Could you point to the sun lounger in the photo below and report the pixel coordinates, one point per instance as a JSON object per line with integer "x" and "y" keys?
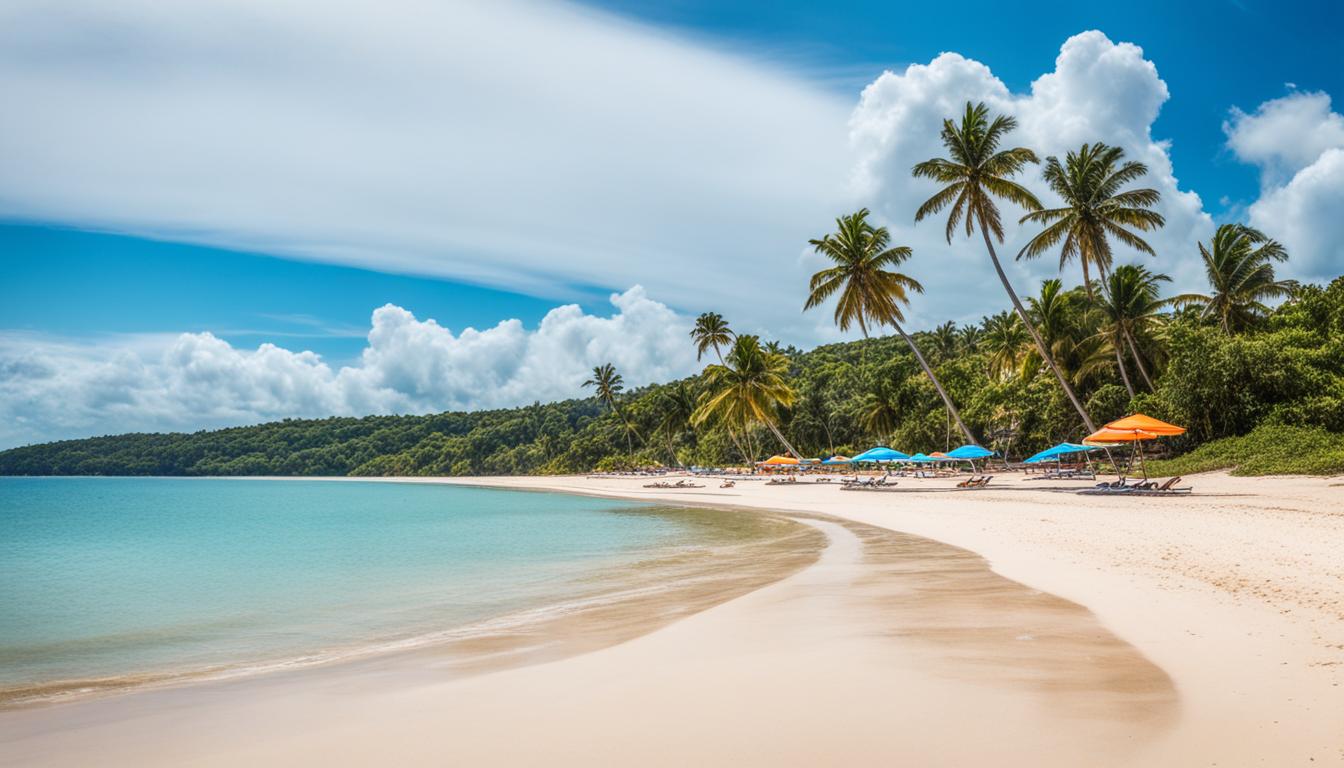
{"x": 1138, "y": 488}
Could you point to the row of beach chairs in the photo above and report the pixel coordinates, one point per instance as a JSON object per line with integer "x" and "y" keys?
{"x": 1138, "y": 488}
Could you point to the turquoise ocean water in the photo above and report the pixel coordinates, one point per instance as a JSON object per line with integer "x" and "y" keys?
{"x": 119, "y": 577}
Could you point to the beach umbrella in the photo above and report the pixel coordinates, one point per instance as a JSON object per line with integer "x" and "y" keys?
{"x": 879, "y": 453}
{"x": 922, "y": 458}
{"x": 779, "y": 461}
{"x": 968, "y": 452}
{"x": 837, "y": 460}
{"x": 1055, "y": 452}
{"x": 1133, "y": 430}
{"x": 1146, "y": 424}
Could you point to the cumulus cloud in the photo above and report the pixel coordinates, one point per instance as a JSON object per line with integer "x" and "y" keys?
{"x": 1099, "y": 91}
{"x": 536, "y": 146}
{"x": 1297, "y": 142}
{"x": 1283, "y": 136}
{"x": 52, "y": 389}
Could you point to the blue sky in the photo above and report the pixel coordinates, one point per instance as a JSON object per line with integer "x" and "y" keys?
{"x": 240, "y": 210}
{"x": 1213, "y": 54}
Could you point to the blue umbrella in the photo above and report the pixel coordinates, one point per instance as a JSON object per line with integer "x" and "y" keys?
{"x": 1054, "y": 452}
{"x": 837, "y": 460}
{"x": 921, "y": 458}
{"x": 880, "y": 454}
{"x": 967, "y": 452}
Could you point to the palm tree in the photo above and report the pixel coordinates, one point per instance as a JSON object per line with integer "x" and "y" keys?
{"x": 969, "y": 338}
{"x": 1006, "y": 341}
{"x": 977, "y": 172}
{"x": 711, "y": 331}
{"x": 1241, "y": 275}
{"x": 1131, "y": 307}
{"x": 879, "y": 413}
{"x": 944, "y": 339}
{"x": 870, "y": 291}
{"x": 749, "y": 387}
{"x": 678, "y": 406}
{"x": 1095, "y": 209}
{"x": 608, "y": 384}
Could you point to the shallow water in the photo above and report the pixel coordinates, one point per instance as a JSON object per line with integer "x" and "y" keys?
{"x": 107, "y": 582}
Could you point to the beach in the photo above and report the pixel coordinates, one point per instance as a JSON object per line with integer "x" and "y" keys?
{"x": 1014, "y": 625}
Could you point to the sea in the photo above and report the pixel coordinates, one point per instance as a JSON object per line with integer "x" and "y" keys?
{"x": 108, "y": 583}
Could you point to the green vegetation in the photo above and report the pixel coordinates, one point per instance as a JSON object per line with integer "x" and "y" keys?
{"x": 1268, "y": 450}
{"x": 1259, "y": 388}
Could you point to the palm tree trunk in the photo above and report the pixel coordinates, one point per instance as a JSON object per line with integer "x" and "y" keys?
{"x": 947, "y": 401}
{"x": 1035, "y": 335}
{"x": 1120, "y": 363}
{"x": 1138, "y": 360}
{"x": 1124, "y": 331}
{"x": 780, "y": 435}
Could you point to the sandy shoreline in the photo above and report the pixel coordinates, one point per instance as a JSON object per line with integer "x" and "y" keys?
{"x": 1213, "y": 634}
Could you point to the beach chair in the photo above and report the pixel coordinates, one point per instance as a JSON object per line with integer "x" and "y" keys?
{"x": 969, "y": 482}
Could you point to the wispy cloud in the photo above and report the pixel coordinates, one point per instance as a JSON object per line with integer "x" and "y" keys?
{"x": 528, "y": 145}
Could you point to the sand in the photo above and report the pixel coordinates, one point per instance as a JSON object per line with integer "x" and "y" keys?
{"x": 1014, "y": 625}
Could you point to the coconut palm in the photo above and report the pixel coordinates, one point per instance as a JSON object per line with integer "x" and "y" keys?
{"x": 677, "y": 404}
{"x": 608, "y": 384}
{"x": 1130, "y": 308}
{"x": 711, "y": 331}
{"x": 1095, "y": 209}
{"x": 944, "y": 340}
{"x": 749, "y": 387}
{"x": 1239, "y": 266}
{"x": 879, "y": 413}
{"x": 871, "y": 292}
{"x": 1006, "y": 342}
{"x": 976, "y": 173}
{"x": 968, "y": 338}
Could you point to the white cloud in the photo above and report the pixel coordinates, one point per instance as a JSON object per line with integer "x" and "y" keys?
{"x": 536, "y": 146}
{"x": 1298, "y": 144}
{"x": 1098, "y": 91}
{"x": 51, "y": 389}
{"x": 1285, "y": 135}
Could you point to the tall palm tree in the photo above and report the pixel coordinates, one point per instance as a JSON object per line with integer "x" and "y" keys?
{"x": 1241, "y": 275}
{"x": 1006, "y": 341}
{"x": 608, "y": 384}
{"x": 749, "y": 387}
{"x": 678, "y": 406}
{"x": 976, "y": 173}
{"x": 870, "y": 290}
{"x": 1131, "y": 307}
{"x": 1095, "y": 209}
{"x": 711, "y": 332}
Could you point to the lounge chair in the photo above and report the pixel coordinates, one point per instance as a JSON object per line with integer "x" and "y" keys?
{"x": 969, "y": 482}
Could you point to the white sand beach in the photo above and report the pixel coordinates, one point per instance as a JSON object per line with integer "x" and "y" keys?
{"x": 1019, "y": 625}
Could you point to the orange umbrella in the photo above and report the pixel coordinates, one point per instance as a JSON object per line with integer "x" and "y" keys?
{"x": 1108, "y": 436}
{"x": 1146, "y": 424}
{"x": 1133, "y": 429}
{"x": 780, "y": 461}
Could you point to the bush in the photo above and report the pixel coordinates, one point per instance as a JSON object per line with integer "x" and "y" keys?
{"x": 1269, "y": 450}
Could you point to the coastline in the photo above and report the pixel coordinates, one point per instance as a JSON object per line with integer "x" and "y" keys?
{"x": 1235, "y": 593}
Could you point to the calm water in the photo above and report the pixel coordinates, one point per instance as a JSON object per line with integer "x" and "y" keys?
{"x": 118, "y": 577}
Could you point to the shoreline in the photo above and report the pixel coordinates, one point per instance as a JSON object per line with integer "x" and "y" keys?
{"x": 665, "y": 583}
{"x": 1256, "y": 669}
